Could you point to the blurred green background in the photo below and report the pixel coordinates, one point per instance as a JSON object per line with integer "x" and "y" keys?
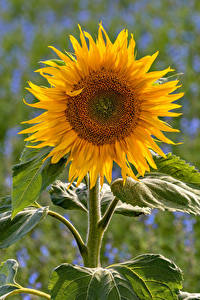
{"x": 27, "y": 28}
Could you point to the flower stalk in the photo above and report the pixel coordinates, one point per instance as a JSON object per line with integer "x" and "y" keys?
{"x": 105, "y": 220}
{"x": 23, "y": 290}
{"x": 74, "y": 231}
{"x": 95, "y": 234}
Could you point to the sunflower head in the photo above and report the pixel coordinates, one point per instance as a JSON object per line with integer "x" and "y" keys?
{"x": 102, "y": 106}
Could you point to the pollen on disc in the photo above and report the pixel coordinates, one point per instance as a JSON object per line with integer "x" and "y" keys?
{"x": 105, "y": 111}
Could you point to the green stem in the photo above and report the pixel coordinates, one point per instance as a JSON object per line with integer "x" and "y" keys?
{"x": 29, "y": 291}
{"x": 74, "y": 231}
{"x": 105, "y": 220}
{"x": 95, "y": 234}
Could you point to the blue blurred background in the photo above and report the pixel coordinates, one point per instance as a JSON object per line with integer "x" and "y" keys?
{"x": 26, "y": 30}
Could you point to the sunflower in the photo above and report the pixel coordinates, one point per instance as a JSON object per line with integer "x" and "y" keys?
{"x": 102, "y": 106}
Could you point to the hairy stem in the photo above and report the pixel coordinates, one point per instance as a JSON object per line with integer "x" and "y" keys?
{"x": 105, "y": 220}
{"x": 74, "y": 231}
{"x": 94, "y": 236}
{"x": 30, "y": 291}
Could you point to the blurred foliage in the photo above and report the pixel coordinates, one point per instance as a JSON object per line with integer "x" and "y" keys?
{"x": 26, "y": 30}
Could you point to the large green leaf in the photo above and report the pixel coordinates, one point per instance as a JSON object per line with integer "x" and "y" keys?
{"x": 32, "y": 176}
{"x": 8, "y": 270}
{"x": 178, "y": 168}
{"x": 11, "y": 230}
{"x": 75, "y": 198}
{"x": 146, "y": 277}
{"x": 188, "y": 296}
{"x": 160, "y": 191}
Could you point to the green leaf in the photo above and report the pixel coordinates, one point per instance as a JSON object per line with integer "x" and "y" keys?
{"x": 188, "y": 296}
{"x": 75, "y": 198}
{"x": 32, "y": 176}
{"x": 8, "y": 270}
{"x": 71, "y": 198}
{"x": 11, "y": 230}
{"x": 178, "y": 168}
{"x": 121, "y": 208}
{"x": 146, "y": 277}
{"x": 29, "y": 154}
{"x": 5, "y": 204}
{"x": 51, "y": 171}
{"x": 27, "y": 182}
{"x": 158, "y": 191}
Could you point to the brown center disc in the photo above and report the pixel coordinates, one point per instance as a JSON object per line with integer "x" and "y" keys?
{"x": 105, "y": 111}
